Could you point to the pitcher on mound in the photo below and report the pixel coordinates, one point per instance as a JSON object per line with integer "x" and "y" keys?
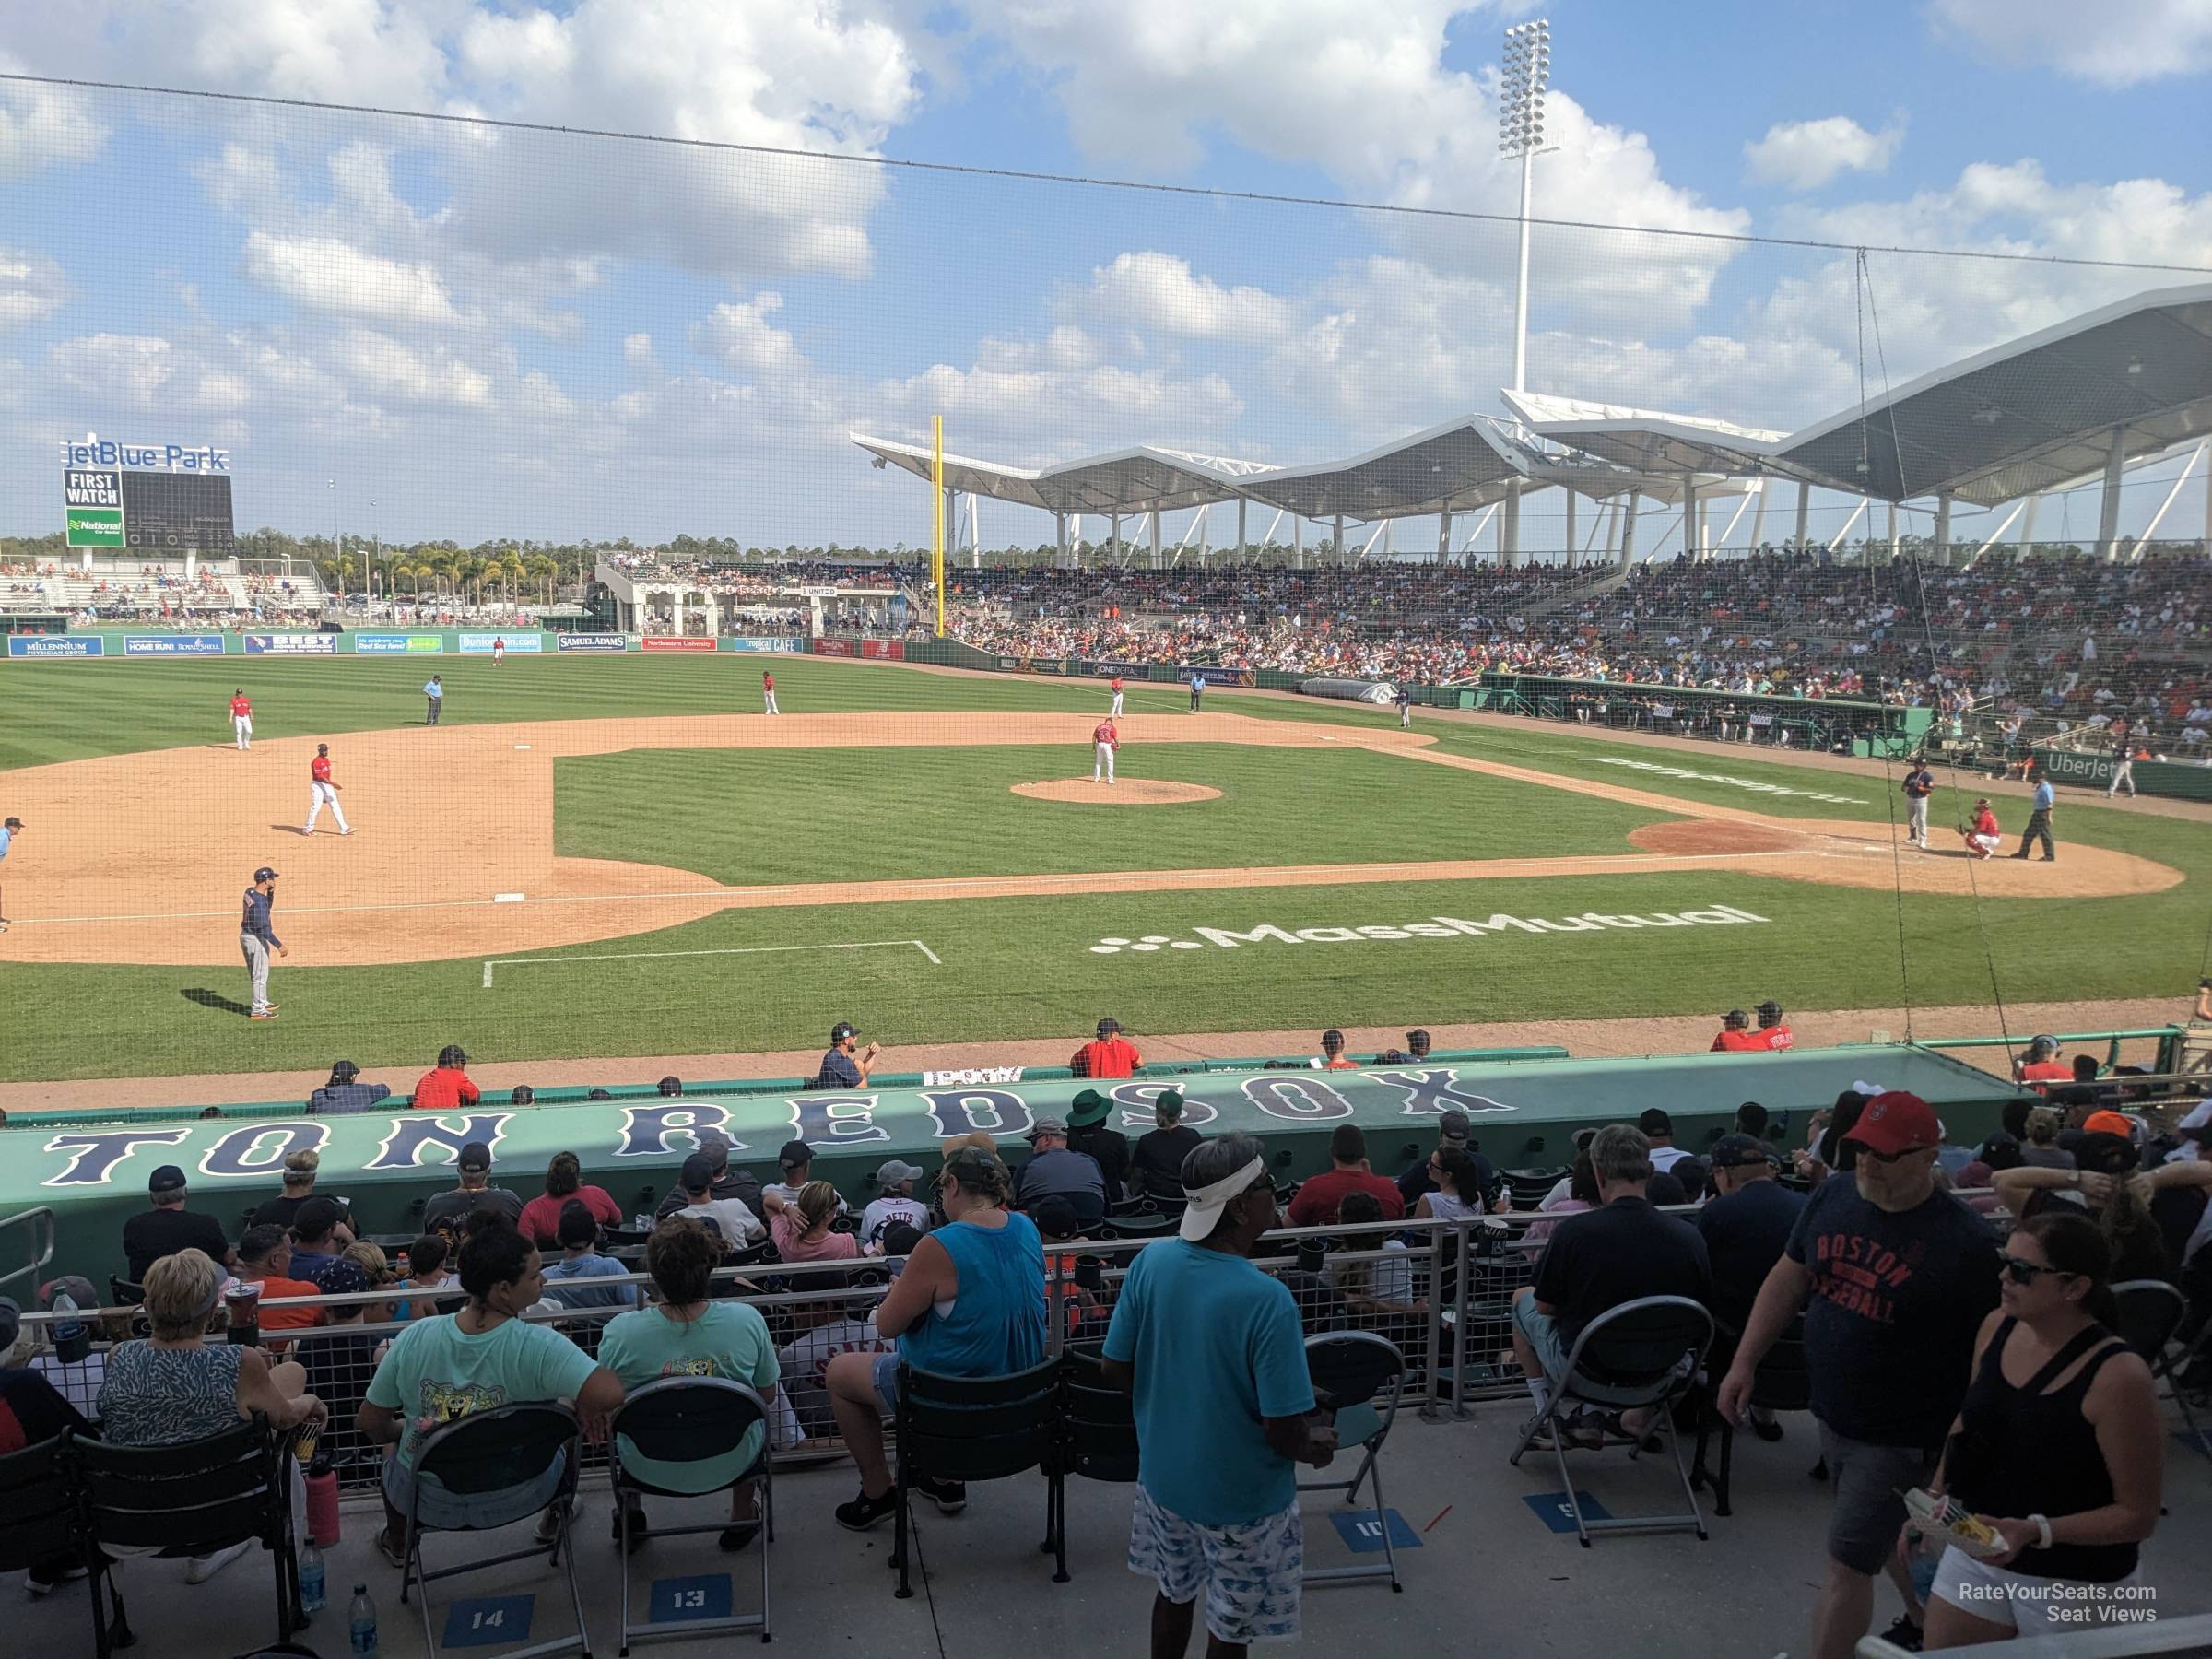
{"x": 1106, "y": 739}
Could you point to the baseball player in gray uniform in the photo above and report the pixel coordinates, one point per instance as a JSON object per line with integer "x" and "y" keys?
{"x": 256, "y": 938}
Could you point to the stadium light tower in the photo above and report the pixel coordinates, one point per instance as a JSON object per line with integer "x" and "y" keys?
{"x": 1525, "y": 78}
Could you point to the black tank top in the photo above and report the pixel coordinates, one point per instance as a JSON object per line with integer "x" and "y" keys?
{"x": 2028, "y": 1453}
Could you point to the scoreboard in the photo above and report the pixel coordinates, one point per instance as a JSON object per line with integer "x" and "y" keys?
{"x": 154, "y": 512}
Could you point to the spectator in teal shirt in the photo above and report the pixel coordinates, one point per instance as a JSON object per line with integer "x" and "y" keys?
{"x": 1212, "y": 1350}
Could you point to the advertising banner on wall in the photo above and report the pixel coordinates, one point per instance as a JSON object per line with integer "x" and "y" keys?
{"x": 840, "y": 648}
{"x": 888, "y": 651}
{"x": 92, "y": 505}
{"x": 54, "y": 645}
{"x": 398, "y": 644}
{"x": 292, "y": 645}
{"x": 592, "y": 641}
{"x": 480, "y": 644}
{"x": 780, "y": 643}
{"x": 676, "y": 643}
{"x": 172, "y": 645}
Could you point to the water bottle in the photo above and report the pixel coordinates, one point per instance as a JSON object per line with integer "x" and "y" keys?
{"x": 312, "y": 1597}
{"x": 1921, "y": 1563}
{"x": 360, "y": 1625}
{"x": 71, "y": 1343}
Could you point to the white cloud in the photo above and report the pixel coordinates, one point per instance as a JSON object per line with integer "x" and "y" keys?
{"x": 1160, "y": 291}
{"x": 128, "y": 370}
{"x": 1805, "y": 154}
{"x": 43, "y": 126}
{"x": 328, "y": 275}
{"x": 2112, "y": 46}
{"x": 637, "y": 349}
{"x": 31, "y": 287}
{"x": 741, "y": 335}
{"x": 383, "y": 365}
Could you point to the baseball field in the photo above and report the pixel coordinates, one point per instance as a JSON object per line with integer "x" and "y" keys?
{"x": 610, "y": 856}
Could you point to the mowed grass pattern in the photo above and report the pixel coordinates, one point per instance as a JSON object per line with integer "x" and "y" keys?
{"x": 749, "y": 818}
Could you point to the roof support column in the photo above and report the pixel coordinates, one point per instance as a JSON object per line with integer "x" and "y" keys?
{"x": 1509, "y": 526}
{"x": 1243, "y": 547}
{"x": 1340, "y": 558}
{"x": 1943, "y": 526}
{"x": 1758, "y": 518}
{"x": 1156, "y": 538}
{"x": 1574, "y": 553}
{"x": 1060, "y": 537}
{"x": 1892, "y": 529}
{"x": 1443, "y": 537}
{"x": 1113, "y": 540}
{"x": 1805, "y": 509}
{"x": 2028, "y": 525}
{"x": 1297, "y": 541}
{"x": 1628, "y": 529}
{"x": 2107, "y": 511}
{"x": 1691, "y": 522}
{"x": 1206, "y": 514}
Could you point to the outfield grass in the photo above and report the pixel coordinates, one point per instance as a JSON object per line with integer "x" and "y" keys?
{"x": 1025, "y": 966}
{"x": 759, "y": 815}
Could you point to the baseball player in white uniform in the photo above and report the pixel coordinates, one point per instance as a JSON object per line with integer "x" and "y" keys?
{"x": 1106, "y": 740}
{"x": 322, "y": 792}
{"x": 2124, "y": 775}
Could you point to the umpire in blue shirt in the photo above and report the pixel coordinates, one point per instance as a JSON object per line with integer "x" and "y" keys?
{"x": 256, "y": 938}
{"x": 2039, "y": 821}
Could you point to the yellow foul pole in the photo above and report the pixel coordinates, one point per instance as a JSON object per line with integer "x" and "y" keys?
{"x": 936, "y": 538}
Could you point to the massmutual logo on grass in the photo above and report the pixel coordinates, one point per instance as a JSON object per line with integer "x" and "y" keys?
{"x": 1435, "y": 928}
{"x": 1751, "y": 784}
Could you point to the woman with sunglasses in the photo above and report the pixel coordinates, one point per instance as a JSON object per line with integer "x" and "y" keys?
{"x": 2056, "y": 1447}
{"x": 970, "y": 1303}
{"x": 2101, "y": 1183}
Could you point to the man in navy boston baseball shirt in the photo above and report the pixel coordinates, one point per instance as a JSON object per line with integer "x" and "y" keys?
{"x": 256, "y": 938}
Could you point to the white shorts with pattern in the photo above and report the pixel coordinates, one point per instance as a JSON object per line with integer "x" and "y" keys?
{"x": 1252, "y": 1572}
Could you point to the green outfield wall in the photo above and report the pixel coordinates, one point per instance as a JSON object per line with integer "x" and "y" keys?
{"x": 387, "y": 1162}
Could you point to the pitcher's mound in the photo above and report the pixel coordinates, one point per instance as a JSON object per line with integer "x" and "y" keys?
{"x": 1128, "y": 792}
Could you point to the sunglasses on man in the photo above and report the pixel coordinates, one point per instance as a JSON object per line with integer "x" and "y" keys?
{"x": 1891, "y": 1158}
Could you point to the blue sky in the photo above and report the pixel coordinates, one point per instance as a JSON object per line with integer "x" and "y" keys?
{"x": 500, "y": 333}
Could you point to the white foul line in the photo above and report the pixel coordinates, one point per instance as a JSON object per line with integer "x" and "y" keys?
{"x": 640, "y": 956}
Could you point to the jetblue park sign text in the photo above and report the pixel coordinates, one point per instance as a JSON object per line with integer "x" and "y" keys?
{"x": 95, "y": 450}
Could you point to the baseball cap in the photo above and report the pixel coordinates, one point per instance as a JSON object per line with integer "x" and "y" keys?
{"x": 1653, "y": 1121}
{"x": 2109, "y": 1121}
{"x": 1169, "y": 1103}
{"x": 671, "y": 1085}
{"x": 1738, "y": 1151}
{"x": 345, "y": 1071}
{"x": 895, "y": 1170}
{"x": 1046, "y": 1126}
{"x": 265, "y": 873}
{"x": 794, "y": 1153}
{"x": 1207, "y": 1203}
{"x": 1896, "y": 1122}
{"x": 1452, "y": 1128}
{"x": 698, "y": 1173}
{"x": 166, "y": 1179}
{"x": 2104, "y": 1153}
{"x": 843, "y": 1029}
{"x": 1089, "y": 1107}
{"x": 1735, "y": 1016}
{"x": 13, "y": 823}
{"x": 76, "y": 1288}
{"x": 341, "y": 1277}
{"x": 1109, "y": 1024}
{"x": 475, "y": 1157}
{"x": 1416, "y": 1039}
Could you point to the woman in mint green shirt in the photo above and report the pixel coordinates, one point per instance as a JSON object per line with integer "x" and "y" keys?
{"x": 479, "y": 1359}
{"x": 688, "y": 1334}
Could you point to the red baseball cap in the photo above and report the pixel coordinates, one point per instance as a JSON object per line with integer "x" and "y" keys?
{"x": 1897, "y": 1122}
{"x": 2110, "y": 1122}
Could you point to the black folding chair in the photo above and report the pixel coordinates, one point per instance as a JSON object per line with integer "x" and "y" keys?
{"x": 1097, "y": 1441}
{"x": 186, "y": 1499}
{"x": 688, "y": 1419}
{"x": 41, "y": 1522}
{"x": 1528, "y": 1187}
{"x": 968, "y": 1429}
{"x": 2151, "y": 1310}
{"x": 1642, "y": 1354}
{"x": 1360, "y": 1377}
{"x": 1782, "y": 1382}
{"x": 487, "y": 1453}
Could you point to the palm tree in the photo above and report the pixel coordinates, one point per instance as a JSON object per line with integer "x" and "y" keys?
{"x": 540, "y": 570}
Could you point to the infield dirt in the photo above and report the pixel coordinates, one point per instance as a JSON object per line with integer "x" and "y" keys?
{"x": 454, "y": 854}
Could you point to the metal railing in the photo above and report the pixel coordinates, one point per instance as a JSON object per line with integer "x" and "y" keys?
{"x": 37, "y": 1227}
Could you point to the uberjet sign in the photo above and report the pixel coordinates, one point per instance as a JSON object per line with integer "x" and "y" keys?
{"x": 1435, "y": 928}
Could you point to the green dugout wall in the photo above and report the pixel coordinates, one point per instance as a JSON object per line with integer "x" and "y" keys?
{"x": 93, "y": 1175}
